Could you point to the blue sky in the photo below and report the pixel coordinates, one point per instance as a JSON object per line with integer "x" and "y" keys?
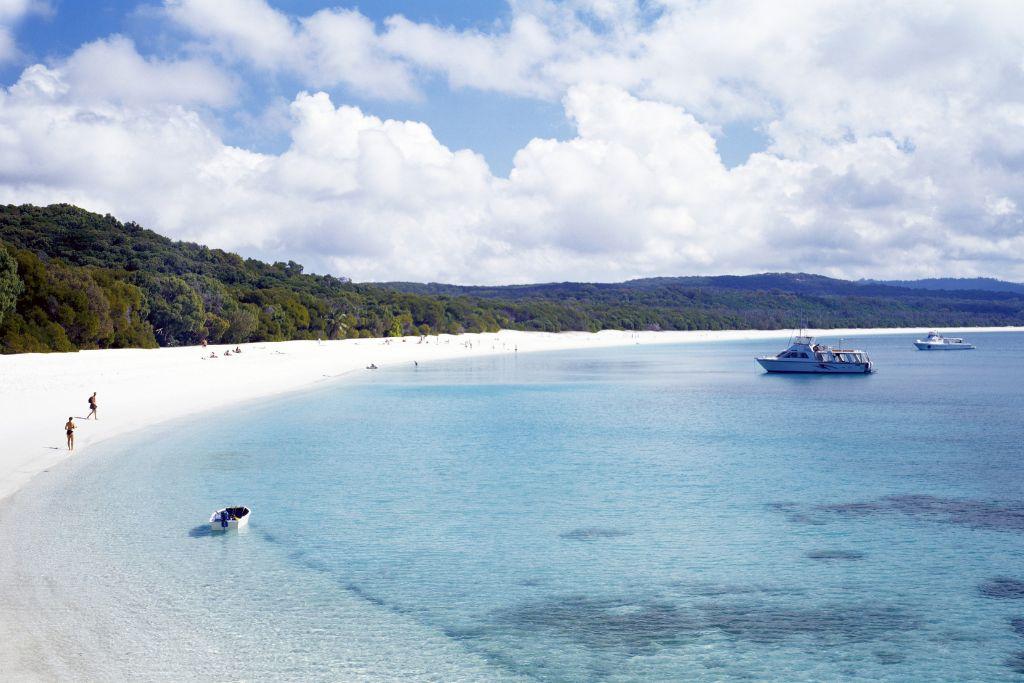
{"x": 532, "y": 140}
{"x": 496, "y": 125}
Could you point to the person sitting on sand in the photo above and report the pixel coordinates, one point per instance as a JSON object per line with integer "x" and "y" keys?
{"x": 238, "y": 349}
{"x": 227, "y": 353}
{"x": 70, "y": 428}
{"x": 92, "y": 407}
{"x": 213, "y": 354}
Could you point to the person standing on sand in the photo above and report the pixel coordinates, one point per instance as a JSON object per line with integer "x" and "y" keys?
{"x": 92, "y": 407}
{"x": 70, "y": 428}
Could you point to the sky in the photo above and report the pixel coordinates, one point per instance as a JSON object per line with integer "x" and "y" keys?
{"x": 492, "y": 142}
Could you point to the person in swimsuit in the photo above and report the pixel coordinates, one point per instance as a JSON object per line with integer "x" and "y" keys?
{"x": 70, "y": 428}
{"x": 92, "y": 407}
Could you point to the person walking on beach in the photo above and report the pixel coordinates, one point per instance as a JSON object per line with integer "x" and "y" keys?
{"x": 70, "y": 428}
{"x": 92, "y": 407}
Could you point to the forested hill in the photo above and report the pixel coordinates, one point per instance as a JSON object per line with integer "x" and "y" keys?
{"x": 764, "y": 301}
{"x": 71, "y": 279}
{"x": 794, "y": 283}
{"x": 955, "y": 283}
{"x": 656, "y": 289}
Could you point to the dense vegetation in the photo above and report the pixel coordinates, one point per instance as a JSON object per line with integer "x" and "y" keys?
{"x": 955, "y": 283}
{"x": 71, "y": 279}
{"x": 765, "y": 301}
{"x": 78, "y": 280}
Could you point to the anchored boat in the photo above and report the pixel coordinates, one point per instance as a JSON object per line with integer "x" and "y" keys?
{"x": 229, "y": 518}
{"x": 804, "y": 356}
{"x": 936, "y": 342}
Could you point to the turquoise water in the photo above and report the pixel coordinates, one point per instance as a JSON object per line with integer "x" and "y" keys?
{"x": 641, "y": 513}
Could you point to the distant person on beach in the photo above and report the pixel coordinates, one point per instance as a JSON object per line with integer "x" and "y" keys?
{"x": 238, "y": 349}
{"x": 92, "y": 407}
{"x": 203, "y": 343}
{"x": 70, "y": 428}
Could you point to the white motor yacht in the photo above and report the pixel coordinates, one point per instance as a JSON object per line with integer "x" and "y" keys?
{"x": 803, "y": 355}
{"x": 936, "y": 342}
{"x": 227, "y": 519}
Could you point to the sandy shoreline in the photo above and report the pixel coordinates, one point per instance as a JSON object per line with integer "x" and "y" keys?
{"x": 138, "y": 388}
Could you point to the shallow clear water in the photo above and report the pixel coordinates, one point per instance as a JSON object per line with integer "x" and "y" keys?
{"x": 641, "y": 513}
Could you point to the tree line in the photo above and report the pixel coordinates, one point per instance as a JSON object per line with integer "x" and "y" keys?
{"x": 71, "y": 279}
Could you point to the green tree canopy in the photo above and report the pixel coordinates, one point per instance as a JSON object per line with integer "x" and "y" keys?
{"x": 10, "y": 284}
{"x": 71, "y": 279}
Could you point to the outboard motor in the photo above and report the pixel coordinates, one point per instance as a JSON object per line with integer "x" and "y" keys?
{"x": 224, "y": 519}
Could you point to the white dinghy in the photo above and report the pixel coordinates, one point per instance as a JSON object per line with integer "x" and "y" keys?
{"x": 227, "y": 519}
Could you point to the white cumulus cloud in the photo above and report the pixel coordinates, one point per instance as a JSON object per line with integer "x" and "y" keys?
{"x": 894, "y": 140}
{"x": 12, "y": 12}
{"x": 640, "y": 190}
{"x": 328, "y": 48}
{"x": 111, "y": 70}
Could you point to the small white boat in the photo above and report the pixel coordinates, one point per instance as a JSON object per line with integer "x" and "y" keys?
{"x": 936, "y": 342}
{"x": 227, "y": 519}
{"x": 804, "y": 356}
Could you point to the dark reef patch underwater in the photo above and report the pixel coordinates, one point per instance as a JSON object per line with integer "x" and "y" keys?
{"x": 977, "y": 514}
{"x": 1016, "y": 661}
{"x": 835, "y": 555}
{"x": 593, "y": 533}
{"x": 644, "y": 625}
{"x": 1003, "y": 587}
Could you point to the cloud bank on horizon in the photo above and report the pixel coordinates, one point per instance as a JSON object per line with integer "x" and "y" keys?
{"x": 895, "y": 138}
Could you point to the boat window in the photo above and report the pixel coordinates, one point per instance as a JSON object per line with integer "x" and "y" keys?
{"x": 804, "y": 355}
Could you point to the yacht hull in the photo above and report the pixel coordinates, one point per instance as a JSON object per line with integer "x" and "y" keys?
{"x": 928, "y": 346}
{"x": 814, "y": 368}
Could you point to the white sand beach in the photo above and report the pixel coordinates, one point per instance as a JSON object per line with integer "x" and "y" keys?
{"x": 137, "y": 388}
